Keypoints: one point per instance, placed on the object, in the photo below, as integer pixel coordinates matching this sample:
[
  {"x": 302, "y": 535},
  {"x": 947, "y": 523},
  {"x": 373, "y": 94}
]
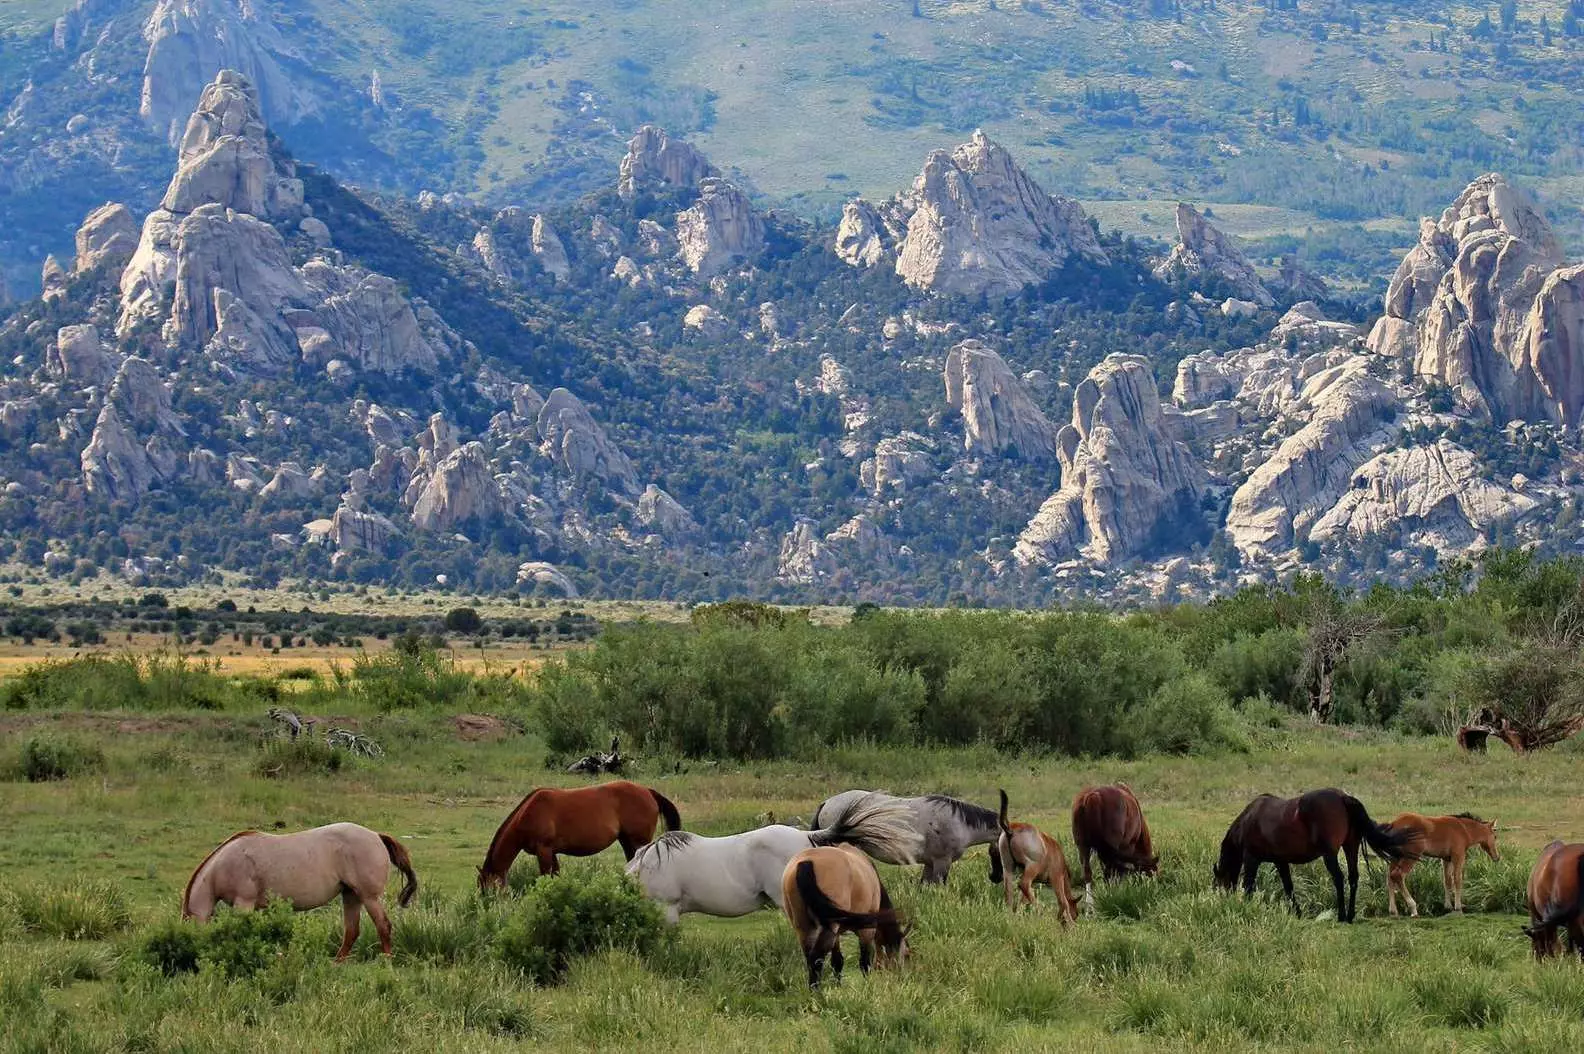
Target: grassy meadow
[{"x": 102, "y": 856}]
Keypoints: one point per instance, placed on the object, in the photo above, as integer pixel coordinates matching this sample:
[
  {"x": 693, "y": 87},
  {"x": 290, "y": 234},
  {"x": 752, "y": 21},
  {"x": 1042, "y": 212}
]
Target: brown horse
[
  {"x": 578, "y": 822},
  {"x": 1287, "y": 831},
  {"x": 1556, "y": 900},
  {"x": 1024, "y": 847},
  {"x": 309, "y": 868},
  {"x": 1108, "y": 822},
  {"x": 834, "y": 889},
  {"x": 1445, "y": 838}
]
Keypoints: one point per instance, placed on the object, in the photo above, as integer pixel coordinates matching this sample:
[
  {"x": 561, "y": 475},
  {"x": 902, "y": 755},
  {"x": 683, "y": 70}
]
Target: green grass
[{"x": 1165, "y": 964}]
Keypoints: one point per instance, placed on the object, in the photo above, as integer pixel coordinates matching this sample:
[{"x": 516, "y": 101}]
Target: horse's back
[
  {"x": 843, "y": 873},
  {"x": 829, "y": 810},
  {"x": 1555, "y": 879}
]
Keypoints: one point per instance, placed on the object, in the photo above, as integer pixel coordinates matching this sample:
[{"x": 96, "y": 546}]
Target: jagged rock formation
[
  {"x": 189, "y": 41},
  {"x": 226, "y": 159},
  {"x": 1483, "y": 306},
  {"x": 1204, "y": 252},
  {"x": 108, "y": 237},
  {"x": 548, "y": 249},
  {"x": 664, "y": 515},
  {"x": 573, "y": 440},
  {"x": 804, "y": 558},
  {"x": 79, "y": 357},
  {"x": 368, "y": 322},
  {"x": 537, "y": 572},
  {"x": 114, "y": 464},
  {"x": 1435, "y": 490},
  {"x": 719, "y": 229},
  {"x": 354, "y": 529},
  {"x": 655, "y": 158},
  {"x": 706, "y": 320},
  {"x": 998, "y": 415},
  {"x": 973, "y": 223},
  {"x": 1125, "y": 478},
  {"x": 1265, "y": 379},
  {"x": 53, "y": 279},
  {"x": 898, "y": 462},
  {"x": 1344, "y": 410},
  {"x": 496, "y": 246},
  {"x": 461, "y": 487},
  {"x": 861, "y": 541},
  {"x": 289, "y": 483}
]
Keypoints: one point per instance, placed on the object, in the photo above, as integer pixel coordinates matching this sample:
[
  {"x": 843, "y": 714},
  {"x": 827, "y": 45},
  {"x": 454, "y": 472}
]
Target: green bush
[
  {"x": 574, "y": 915},
  {"x": 304, "y": 756},
  {"x": 45, "y": 757},
  {"x": 241, "y": 943},
  {"x": 172, "y": 948},
  {"x": 77, "y": 910},
  {"x": 1190, "y": 715}
]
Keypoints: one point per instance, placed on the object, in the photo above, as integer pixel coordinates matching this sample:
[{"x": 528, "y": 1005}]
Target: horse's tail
[
  {"x": 1390, "y": 844},
  {"x": 1557, "y": 915},
  {"x": 823, "y": 910},
  {"x": 881, "y": 826},
  {"x": 1006, "y": 828},
  {"x": 673, "y": 819},
  {"x": 398, "y": 856}
]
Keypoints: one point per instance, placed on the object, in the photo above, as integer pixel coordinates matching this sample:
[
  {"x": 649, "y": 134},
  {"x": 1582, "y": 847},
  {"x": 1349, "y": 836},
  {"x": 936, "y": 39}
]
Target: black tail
[
  {"x": 821, "y": 907},
  {"x": 673, "y": 819},
  {"x": 1558, "y": 916},
  {"x": 1389, "y": 844},
  {"x": 1006, "y": 828}
]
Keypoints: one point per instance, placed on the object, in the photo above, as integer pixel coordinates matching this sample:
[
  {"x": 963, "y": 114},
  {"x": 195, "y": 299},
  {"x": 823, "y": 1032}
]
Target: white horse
[
  {"x": 948, "y": 827},
  {"x": 741, "y": 873}
]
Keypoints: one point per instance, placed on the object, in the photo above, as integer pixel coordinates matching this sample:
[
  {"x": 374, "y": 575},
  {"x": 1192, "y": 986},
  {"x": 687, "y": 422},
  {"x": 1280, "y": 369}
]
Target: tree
[
  {"x": 1533, "y": 695},
  {"x": 463, "y": 620},
  {"x": 1333, "y": 629}
]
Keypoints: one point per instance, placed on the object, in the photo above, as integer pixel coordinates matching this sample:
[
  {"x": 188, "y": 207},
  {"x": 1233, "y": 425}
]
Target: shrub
[
  {"x": 241, "y": 943},
  {"x": 463, "y": 620},
  {"x": 172, "y": 948},
  {"x": 45, "y": 757},
  {"x": 77, "y": 910},
  {"x": 569, "y": 916},
  {"x": 305, "y": 755},
  {"x": 1190, "y": 715}
]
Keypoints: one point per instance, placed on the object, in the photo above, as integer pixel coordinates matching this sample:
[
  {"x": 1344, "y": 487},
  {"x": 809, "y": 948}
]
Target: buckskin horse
[
  {"x": 1108, "y": 822},
  {"x": 309, "y": 869},
  {"x": 1556, "y": 900},
  {"x": 739, "y": 873},
  {"x": 949, "y": 827},
  {"x": 830, "y": 890},
  {"x": 1444, "y": 838},
  {"x": 1315, "y": 825},
  {"x": 578, "y": 822}
]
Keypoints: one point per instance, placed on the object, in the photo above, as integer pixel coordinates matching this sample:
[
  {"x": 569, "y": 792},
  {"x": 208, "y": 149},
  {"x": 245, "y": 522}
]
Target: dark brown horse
[
  {"x": 579, "y": 822},
  {"x": 1315, "y": 825},
  {"x": 1108, "y": 822},
  {"x": 1556, "y": 900}
]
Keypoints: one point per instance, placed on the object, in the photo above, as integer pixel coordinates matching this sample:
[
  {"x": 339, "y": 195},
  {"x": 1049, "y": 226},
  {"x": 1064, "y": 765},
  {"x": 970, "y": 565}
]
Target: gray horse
[{"x": 949, "y": 827}]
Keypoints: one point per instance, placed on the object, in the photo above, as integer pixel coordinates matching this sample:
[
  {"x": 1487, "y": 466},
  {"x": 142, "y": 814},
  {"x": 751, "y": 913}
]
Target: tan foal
[
  {"x": 1039, "y": 857},
  {"x": 1445, "y": 838}
]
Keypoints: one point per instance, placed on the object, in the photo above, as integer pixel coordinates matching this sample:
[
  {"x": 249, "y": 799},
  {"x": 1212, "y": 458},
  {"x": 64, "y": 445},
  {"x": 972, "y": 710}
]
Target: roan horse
[
  {"x": 740, "y": 873},
  {"x": 1287, "y": 831},
  {"x": 830, "y": 890},
  {"x": 1556, "y": 900},
  {"x": 578, "y": 822},
  {"x": 1024, "y": 847},
  {"x": 309, "y": 869},
  {"x": 948, "y": 826},
  {"x": 1445, "y": 838},
  {"x": 1108, "y": 822}
]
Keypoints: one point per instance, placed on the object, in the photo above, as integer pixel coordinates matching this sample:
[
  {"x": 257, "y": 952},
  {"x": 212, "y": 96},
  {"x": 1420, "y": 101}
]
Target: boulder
[
  {"x": 114, "y": 465},
  {"x": 461, "y": 488},
  {"x": 573, "y": 440},
  {"x": 53, "y": 279},
  {"x": 360, "y": 529},
  {"x": 142, "y": 398},
  {"x": 898, "y": 462},
  {"x": 1204, "y": 253},
  {"x": 289, "y": 483},
  {"x": 1127, "y": 485},
  {"x": 371, "y": 324},
  {"x": 974, "y": 223},
  {"x": 804, "y": 558},
  {"x": 664, "y": 515},
  {"x": 862, "y": 542},
  {"x": 540, "y": 573},
  {"x": 654, "y": 158},
  {"x": 107, "y": 238},
  {"x": 548, "y": 250},
  {"x": 709, "y": 322},
  {"x": 719, "y": 229},
  {"x": 998, "y": 415},
  {"x": 78, "y": 357}
]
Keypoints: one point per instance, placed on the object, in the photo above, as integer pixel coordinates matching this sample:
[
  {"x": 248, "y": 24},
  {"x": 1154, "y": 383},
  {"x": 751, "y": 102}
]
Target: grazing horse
[
  {"x": 309, "y": 868},
  {"x": 1107, "y": 821},
  {"x": 1026, "y": 848},
  {"x": 1287, "y": 831},
  {"x": 949, "y": 827},
  {"x": 1445, "y": 838},
  {"x": 1556, "y": 900},
  {"x": 740, "y": 873},
  {"x": 578, "y": 822},
  {"x": 830, "y": 890}
]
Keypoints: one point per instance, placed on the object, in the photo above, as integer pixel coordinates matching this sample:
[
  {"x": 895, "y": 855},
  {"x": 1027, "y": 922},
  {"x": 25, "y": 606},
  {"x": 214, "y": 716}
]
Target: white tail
[{"x": 880, "y": 825}]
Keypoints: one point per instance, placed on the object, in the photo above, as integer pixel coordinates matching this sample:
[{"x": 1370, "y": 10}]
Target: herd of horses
[{"x": 824, "y": 878}]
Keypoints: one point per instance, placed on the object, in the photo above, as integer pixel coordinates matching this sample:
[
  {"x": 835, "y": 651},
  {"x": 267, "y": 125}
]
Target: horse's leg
[
  {"x": 1392, "y": 879},
  {"x": 629, "y": 846},
  {"x": 351, "y": 922},
  {"x": 1284, "y": 872},
  {"x": 1575, "y": 929},
  {"x": 824, "y": 940},
  {"x": 1084, "y": 851},
  {"x": 1458, "y": 859},
  {"x": 1335, "y": 868},
  {"x": 1007, "y": 883},
  {"x": 548, "y": 864},
  {"x": 1352, "y": 851},
  {"x": 837, "y": 960},
  {"x": 382, "y": 924},
  {"x": 1446, "y": 883},
  {"x": 1027, "y": 886},
  {"x": 1250, "y": 873},
  {"x": 866, "y": 950}
]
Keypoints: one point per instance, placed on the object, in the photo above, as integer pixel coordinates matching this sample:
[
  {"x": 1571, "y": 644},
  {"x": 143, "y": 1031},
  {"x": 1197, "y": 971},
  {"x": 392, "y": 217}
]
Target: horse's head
[
  {"x": 1487, "y": 839},
  {"x": 1150, "y": 866},
  {"x": 893, "y": 942},
  {"x": 489, "y": 881},
  {"x": 1229, "y": 862}
]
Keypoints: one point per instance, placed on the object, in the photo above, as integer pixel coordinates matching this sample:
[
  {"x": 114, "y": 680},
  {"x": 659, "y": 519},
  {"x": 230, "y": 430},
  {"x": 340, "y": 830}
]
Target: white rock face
[
  {"x": 189, "y": 41},
  {"x": 369, "y": 322},
  {"x": 664, "y": 515},
  {"x": 289, "y": 483},
  {"x": 804, "y": 558},
  {"x": 898, "y": 462},
  {"x": 353, "y": 529},
  {"x": 141, "y": 396},
  {"x": 108, "y": 237},
  {"x": 462, "y": 487},
  {"x": 537, "y": 572},
  {"x": 655, "y": 158},
  {"x": 1483, "y": 305},
  {"x": 226, "y": 160},
  {"x": 1125, "y": 477},
  {"x": 1344, "y": 410},
  {"x": 998, "y": 415},
  {"x": 706, "y": 320},
  {"x": 860, "y": 540},
  {"x": 575, "y": 441},
  {"x": 973, "y": 223},
  {"x": 1434, "y": 489},
  {"x": 1204, "y": 252},
  {"x": 548, "y": 249},
  {"x": 79, "y": 357},
  {"x": 720, "y": 229},
  {"x": 114, "y": 464}
]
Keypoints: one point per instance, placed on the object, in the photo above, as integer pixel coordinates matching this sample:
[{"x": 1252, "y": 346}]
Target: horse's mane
[
  {"x": 187, "y": 889},
  {"x": 1466, "y": 816},
  {"x": 967, "y": 812},
  {"x": 511, "y": 818},
  {"x": 668, "y": 841}
]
